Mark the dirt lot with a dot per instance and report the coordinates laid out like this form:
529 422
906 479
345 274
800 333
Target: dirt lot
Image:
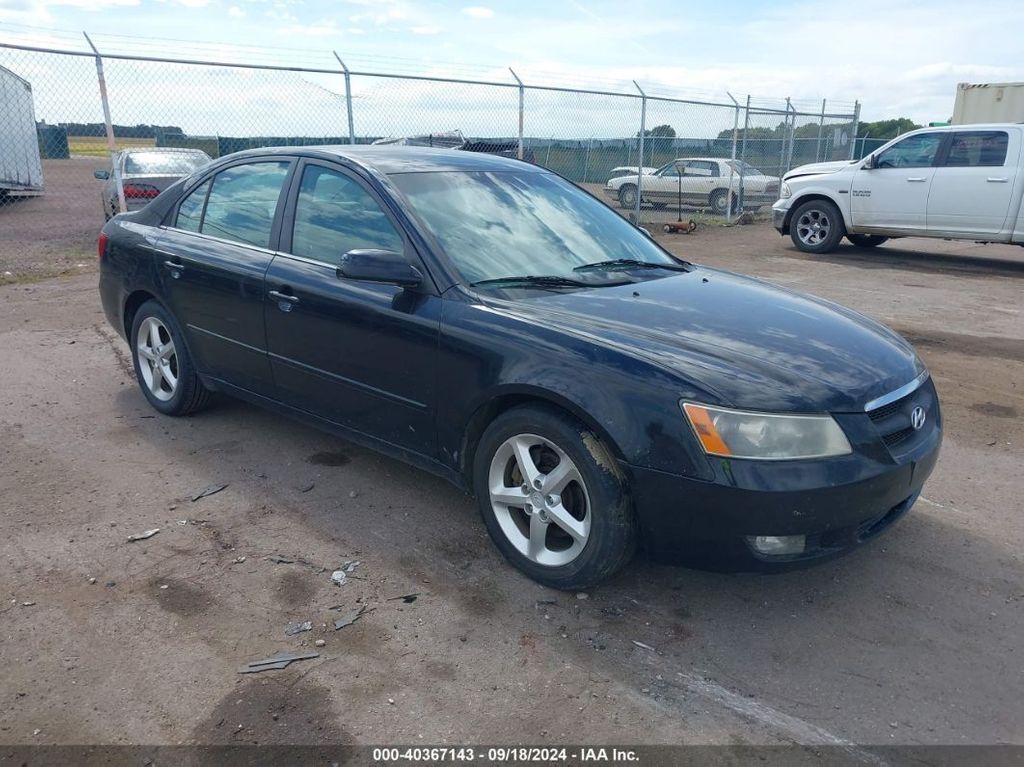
916 639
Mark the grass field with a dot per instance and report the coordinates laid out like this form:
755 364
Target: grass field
96 146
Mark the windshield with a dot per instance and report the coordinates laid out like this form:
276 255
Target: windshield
744 168
515 223
164 163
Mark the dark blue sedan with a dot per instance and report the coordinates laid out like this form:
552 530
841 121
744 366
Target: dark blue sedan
488 321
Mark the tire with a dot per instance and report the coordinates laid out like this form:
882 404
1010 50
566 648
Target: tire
591 498
163 367
816 227
719 201
627 196
866 240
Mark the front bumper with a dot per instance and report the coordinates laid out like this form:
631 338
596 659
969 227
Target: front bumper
838 504
779 211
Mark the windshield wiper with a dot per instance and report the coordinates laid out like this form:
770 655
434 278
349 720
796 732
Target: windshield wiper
629 263
538 280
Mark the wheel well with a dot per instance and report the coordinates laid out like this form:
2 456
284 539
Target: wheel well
808 198
486 413
131 305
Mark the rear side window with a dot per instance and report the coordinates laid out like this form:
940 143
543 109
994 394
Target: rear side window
190 211
335 214
973 149
701 168
242 201
916 151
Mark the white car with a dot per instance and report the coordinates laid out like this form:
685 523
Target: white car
697 181
960 182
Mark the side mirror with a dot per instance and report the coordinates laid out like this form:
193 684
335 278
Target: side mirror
102 175
869 163
374 265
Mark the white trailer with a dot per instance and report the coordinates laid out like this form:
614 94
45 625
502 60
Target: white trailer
988 103
21 171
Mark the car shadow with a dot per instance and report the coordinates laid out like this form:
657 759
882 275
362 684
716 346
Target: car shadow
884 257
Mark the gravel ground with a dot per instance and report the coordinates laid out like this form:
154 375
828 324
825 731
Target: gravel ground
915 639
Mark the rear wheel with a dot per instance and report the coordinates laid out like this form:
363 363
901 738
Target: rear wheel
627 196
816 227
719 202
552 498
866 240
163 366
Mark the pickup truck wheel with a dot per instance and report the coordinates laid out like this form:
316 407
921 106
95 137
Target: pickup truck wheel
552 498
866 240
817 227
627 196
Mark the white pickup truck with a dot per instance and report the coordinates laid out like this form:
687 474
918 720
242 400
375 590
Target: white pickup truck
955 182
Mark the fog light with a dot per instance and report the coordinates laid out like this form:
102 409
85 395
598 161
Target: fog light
778 545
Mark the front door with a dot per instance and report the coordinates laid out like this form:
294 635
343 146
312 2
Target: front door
893 195
974 185
357 353
212 261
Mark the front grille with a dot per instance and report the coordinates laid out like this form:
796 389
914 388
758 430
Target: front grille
892 420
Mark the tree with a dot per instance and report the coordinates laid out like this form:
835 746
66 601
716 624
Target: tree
886 129
659 131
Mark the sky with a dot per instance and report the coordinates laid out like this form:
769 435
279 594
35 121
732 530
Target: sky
897 58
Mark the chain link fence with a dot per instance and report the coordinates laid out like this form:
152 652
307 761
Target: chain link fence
71 122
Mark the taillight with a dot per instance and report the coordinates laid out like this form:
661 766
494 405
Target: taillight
140 191
101 244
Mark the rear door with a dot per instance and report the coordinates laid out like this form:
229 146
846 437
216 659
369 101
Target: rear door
213 259
358 353
893 195
975 183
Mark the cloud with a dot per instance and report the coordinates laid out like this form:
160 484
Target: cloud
425 29
478 12
235 12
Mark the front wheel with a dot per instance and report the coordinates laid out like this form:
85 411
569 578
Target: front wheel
553 499
163 366
817 227
627 196
866 240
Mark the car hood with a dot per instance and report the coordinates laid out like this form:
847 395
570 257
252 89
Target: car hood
816 168
747 343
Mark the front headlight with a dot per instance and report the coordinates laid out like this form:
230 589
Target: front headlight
765 436
784 191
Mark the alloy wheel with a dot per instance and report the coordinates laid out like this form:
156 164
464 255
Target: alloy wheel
158 359
539 499
813 227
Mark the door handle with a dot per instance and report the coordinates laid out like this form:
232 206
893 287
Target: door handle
917 179
176 268
286 297
997 180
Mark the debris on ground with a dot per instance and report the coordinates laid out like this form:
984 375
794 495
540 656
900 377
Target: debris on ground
28 604
547 602
583 595
307 488
92 580
406 598
238 560
644 646
320 642
350 617
277 559
206 491
349 566
279 660
339 577
298 628
143 536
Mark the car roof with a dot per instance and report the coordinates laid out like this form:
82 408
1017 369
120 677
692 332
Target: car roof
389 159
162 150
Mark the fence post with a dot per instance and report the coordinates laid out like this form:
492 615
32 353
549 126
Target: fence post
743 150
348 99
792 136
856 127
821 128
732 165
640 167
521 94
111 144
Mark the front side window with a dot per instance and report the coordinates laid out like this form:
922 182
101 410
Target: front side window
496 224
916 151
972 149
335 214
242 202
671 170
190 211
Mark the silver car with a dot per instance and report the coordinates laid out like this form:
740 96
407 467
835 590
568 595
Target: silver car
145 173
